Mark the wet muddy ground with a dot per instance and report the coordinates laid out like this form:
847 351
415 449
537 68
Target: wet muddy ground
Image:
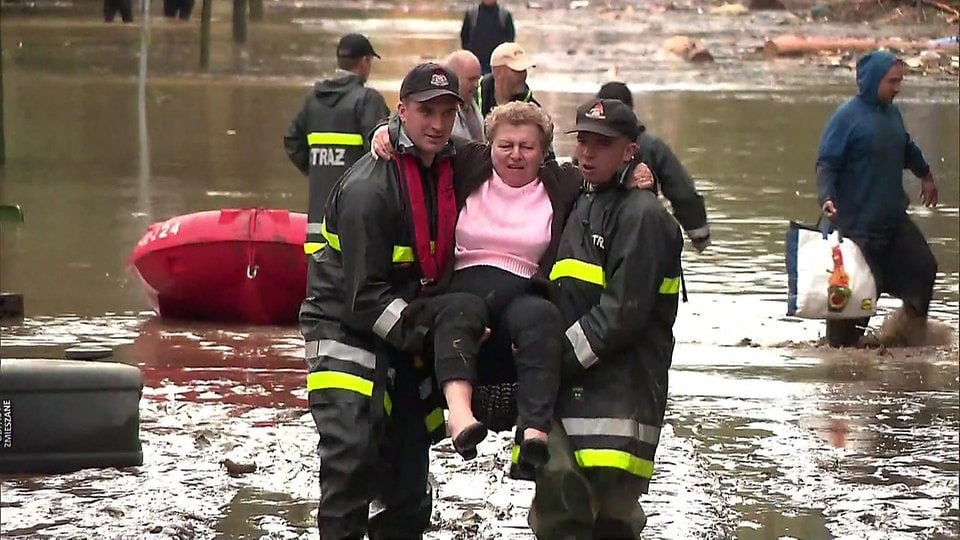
768 434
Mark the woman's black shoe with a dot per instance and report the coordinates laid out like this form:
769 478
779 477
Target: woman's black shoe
466 442
534 454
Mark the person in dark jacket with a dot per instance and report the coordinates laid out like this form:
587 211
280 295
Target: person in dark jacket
618 274
671 177
863 152
485 26
112 7
389 229
178 8
508 82
329 133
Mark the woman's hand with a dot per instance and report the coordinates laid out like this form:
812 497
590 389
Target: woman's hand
642 177
381 147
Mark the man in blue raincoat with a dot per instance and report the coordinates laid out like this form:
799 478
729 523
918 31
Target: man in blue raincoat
863 152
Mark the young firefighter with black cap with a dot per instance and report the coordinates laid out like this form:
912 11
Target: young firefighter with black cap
388 227
330 132
618 274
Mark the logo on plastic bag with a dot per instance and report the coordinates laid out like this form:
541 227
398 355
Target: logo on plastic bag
838 286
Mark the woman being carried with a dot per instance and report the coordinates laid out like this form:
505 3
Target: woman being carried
504 237
512 210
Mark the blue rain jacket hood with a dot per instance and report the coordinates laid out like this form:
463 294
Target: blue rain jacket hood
871 69
863 152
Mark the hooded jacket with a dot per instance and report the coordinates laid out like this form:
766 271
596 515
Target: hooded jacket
863 152
328 135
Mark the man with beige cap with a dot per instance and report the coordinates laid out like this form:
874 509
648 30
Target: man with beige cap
508 81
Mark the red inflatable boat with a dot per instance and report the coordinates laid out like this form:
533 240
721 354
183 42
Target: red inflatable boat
232 265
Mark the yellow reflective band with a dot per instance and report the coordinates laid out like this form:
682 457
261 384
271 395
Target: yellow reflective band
615 459
322 380
670 285
515 454
312 247
332 239
434 420
401 254
572 268
333 138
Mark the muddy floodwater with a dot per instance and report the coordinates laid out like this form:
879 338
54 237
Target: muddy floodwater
768 435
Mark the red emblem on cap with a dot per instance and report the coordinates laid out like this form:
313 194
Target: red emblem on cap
596 112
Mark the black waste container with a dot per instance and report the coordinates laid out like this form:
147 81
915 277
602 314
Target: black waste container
64 415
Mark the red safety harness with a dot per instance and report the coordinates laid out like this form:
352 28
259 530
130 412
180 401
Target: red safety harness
431 260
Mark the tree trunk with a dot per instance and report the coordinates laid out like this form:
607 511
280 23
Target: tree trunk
239 21
792 45
205 13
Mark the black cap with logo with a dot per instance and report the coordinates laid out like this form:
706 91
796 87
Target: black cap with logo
428 81
355 46
607 117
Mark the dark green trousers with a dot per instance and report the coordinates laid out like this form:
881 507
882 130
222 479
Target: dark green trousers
571 503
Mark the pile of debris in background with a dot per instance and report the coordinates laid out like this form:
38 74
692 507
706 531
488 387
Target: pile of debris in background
821 32
921 56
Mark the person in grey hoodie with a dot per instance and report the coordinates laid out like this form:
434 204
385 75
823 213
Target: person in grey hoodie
330 132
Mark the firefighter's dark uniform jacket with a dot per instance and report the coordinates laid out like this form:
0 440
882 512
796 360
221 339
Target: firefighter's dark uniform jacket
677 185
618 273
328 135
487 96
376 409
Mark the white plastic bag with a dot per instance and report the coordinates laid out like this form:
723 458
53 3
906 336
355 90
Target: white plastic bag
810 264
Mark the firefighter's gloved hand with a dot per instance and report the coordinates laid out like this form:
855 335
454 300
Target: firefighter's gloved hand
417 320
570 366
700 244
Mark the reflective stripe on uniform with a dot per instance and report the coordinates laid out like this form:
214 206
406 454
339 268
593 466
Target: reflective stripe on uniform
340 351
315 228
389 317
581 347
401 254
614 459
434 420
330 137
337 380
572 268
312 247
670 285
515 454
616 427
321 380
332 238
